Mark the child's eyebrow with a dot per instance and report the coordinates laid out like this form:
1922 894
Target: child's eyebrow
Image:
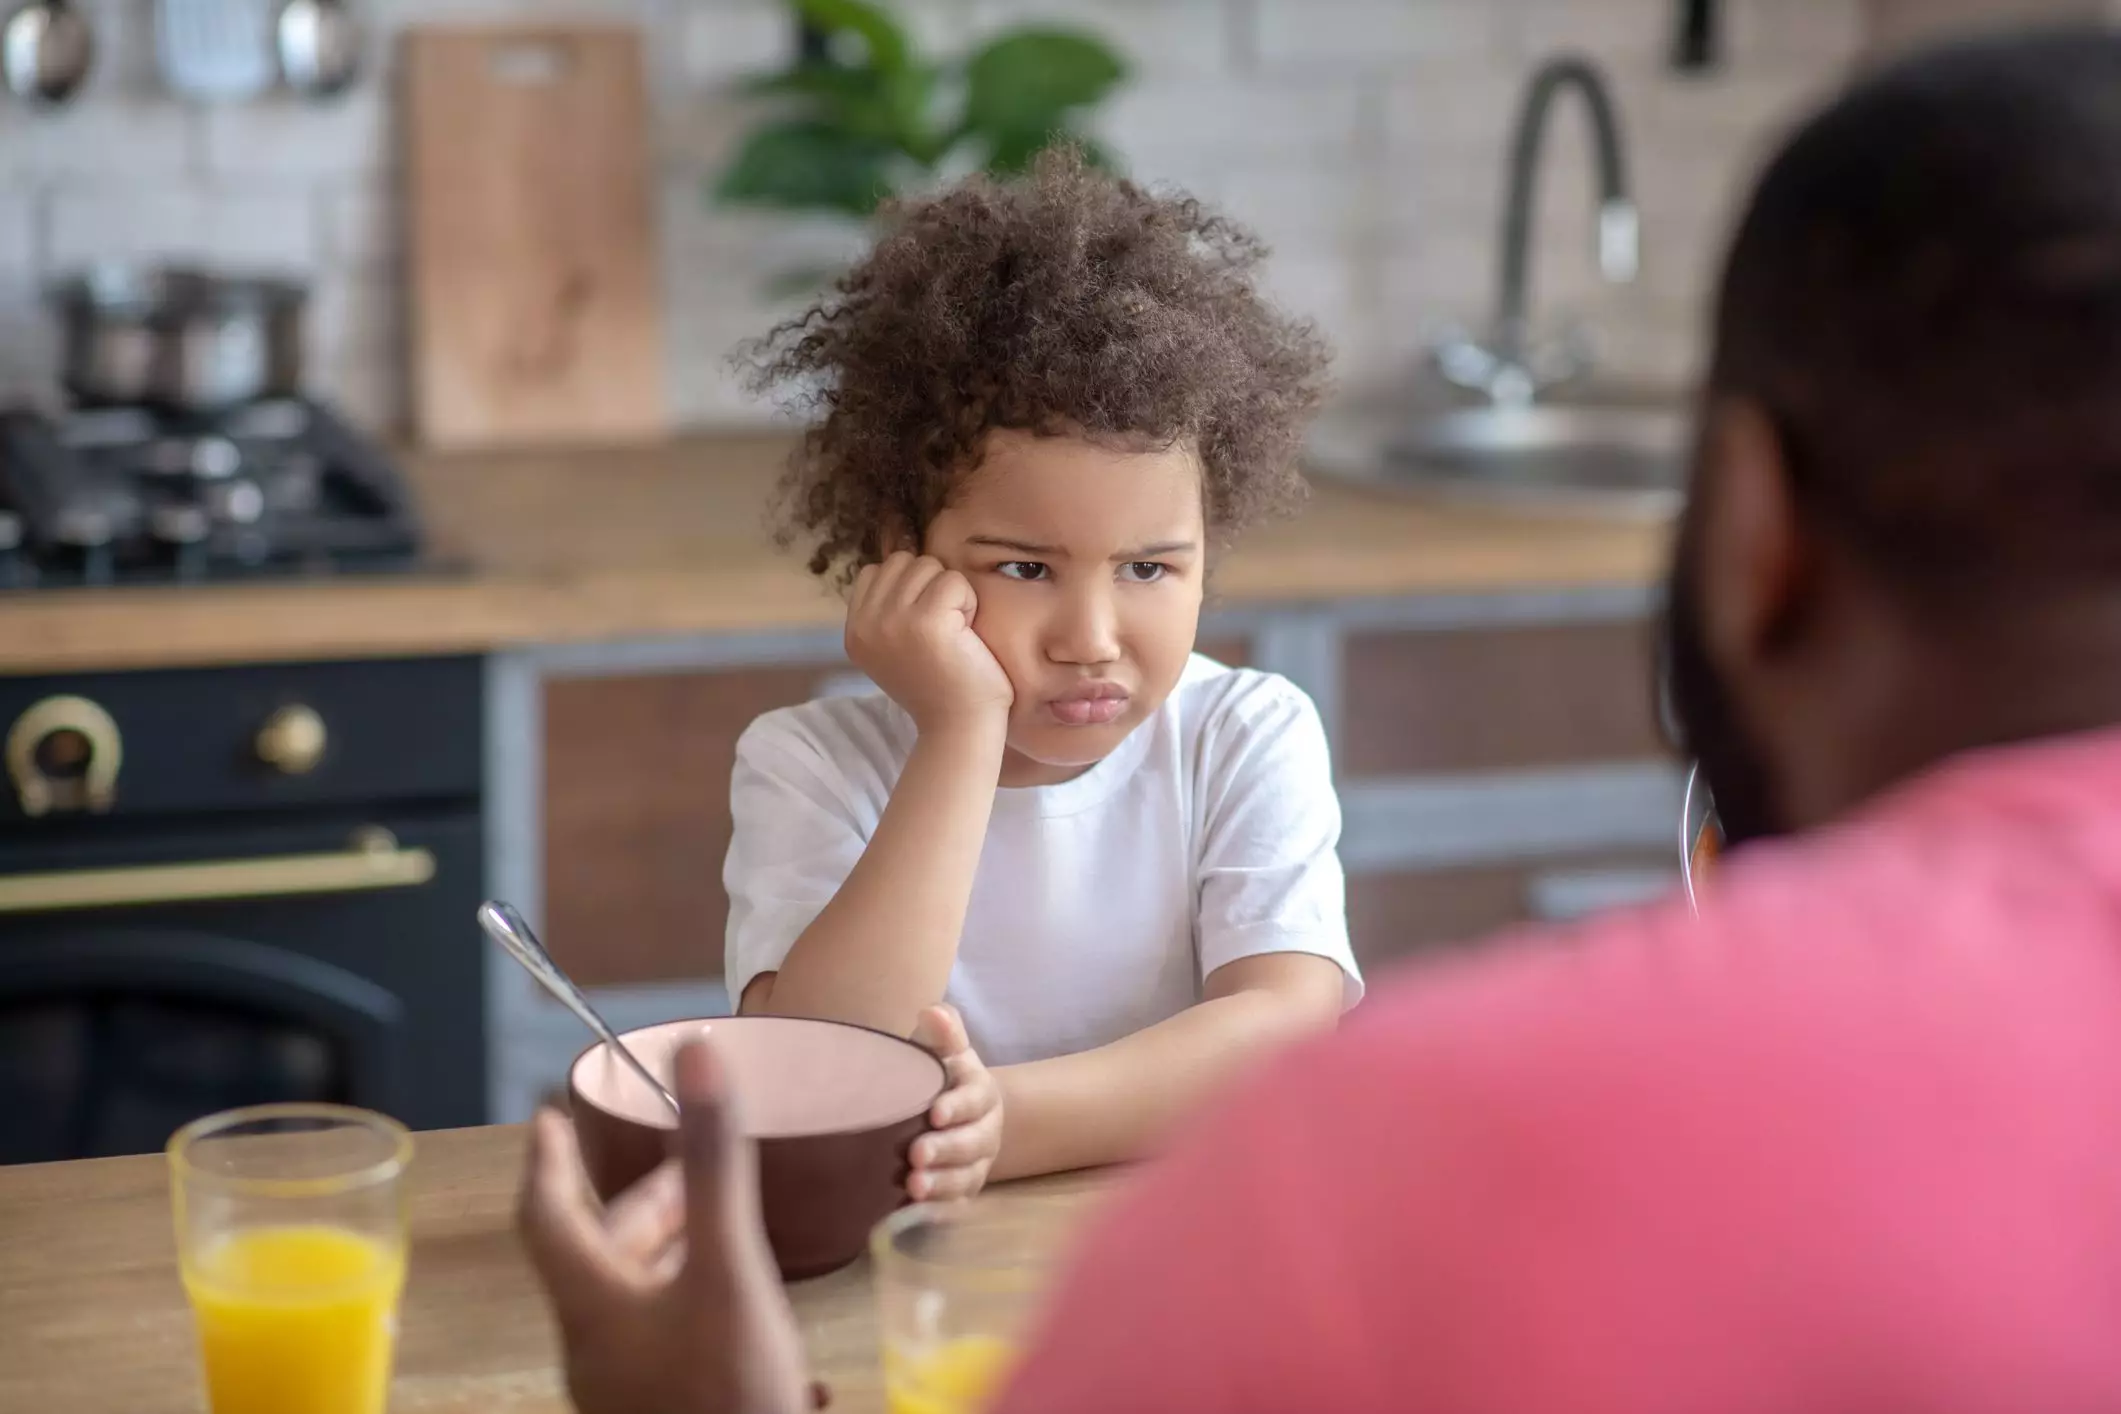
1156 551
1021 547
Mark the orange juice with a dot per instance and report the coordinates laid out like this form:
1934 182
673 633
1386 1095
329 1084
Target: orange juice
958 1377
296 1320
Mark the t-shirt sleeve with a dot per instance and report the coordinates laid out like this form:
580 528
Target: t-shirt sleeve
794 839
1270 877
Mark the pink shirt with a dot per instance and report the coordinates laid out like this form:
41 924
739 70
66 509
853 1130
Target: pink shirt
1849 1144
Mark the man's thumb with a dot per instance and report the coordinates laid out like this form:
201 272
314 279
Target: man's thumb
720 1182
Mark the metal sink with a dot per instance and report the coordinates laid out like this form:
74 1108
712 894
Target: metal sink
1603 458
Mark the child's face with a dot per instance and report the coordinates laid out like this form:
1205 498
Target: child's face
1088 564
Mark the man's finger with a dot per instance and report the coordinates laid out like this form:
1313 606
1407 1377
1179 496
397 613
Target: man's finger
558 1218
722 1226
645 1219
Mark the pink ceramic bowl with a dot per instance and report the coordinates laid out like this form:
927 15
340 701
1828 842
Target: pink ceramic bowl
833 1108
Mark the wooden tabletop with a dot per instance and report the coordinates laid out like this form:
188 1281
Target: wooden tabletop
575 546
93 1320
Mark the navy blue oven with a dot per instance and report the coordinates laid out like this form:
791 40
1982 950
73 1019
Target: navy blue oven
222 887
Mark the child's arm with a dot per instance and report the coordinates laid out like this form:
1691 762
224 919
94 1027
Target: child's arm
882 949
1272 938
1116 1102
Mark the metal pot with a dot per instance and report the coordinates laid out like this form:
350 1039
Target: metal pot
178 339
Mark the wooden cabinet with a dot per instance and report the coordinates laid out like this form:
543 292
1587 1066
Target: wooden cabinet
1393 917
1496 699
637 816
1530 705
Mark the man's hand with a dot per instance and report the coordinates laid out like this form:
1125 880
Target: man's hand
909 627
952 1160
668 1301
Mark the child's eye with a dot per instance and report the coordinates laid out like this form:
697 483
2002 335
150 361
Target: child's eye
1027 570
1144 572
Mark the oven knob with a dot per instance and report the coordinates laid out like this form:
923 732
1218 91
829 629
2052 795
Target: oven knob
63 754
292 740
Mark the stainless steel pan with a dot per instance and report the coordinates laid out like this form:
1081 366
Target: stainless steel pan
177 338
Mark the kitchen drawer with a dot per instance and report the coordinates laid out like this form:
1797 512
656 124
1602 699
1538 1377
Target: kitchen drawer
637 816
1399 915
272 737
1496 699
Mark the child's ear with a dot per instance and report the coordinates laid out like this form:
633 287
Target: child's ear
893 536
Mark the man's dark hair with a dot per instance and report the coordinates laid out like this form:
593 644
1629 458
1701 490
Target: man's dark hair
1065 302
1925 293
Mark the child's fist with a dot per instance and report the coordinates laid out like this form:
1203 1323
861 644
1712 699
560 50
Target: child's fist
951 1161
909 627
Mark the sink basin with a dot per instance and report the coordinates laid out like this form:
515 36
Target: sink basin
1604 458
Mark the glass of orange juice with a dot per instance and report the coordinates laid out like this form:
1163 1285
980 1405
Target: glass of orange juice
291 1239
956 1287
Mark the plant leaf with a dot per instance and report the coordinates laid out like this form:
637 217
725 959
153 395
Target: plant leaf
889 49
806 164
861 102
1028 80
1009 154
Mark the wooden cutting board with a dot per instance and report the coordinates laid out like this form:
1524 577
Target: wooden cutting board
534 284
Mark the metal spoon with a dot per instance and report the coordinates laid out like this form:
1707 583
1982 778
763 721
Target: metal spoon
46 50
320 46
506 926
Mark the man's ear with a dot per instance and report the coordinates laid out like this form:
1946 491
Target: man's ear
1752 564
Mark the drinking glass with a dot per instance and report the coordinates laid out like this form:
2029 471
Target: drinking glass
292 1242
1700 835
956 1288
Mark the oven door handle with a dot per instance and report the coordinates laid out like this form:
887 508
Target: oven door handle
373 859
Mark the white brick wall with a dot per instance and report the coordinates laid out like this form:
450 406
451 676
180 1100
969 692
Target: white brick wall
1364 138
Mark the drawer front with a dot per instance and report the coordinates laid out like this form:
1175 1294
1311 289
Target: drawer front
637 816
260 737
1497 699
1396 916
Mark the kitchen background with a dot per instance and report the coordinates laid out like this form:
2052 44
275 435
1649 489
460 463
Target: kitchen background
521 672
1364 138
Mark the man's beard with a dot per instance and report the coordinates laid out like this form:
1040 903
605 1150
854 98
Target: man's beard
1709 728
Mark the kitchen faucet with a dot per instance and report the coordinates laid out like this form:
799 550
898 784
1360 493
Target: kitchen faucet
1509 368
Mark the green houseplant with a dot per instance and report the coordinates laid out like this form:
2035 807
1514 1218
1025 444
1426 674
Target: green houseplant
860 117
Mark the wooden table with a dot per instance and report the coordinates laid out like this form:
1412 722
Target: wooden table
93 1321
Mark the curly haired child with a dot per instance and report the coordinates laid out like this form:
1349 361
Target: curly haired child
1040 408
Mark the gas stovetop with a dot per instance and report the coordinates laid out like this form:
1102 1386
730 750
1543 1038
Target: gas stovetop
132 496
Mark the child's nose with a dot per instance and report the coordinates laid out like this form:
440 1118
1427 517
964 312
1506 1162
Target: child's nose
1086 630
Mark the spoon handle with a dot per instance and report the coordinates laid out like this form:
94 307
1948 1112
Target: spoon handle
506 926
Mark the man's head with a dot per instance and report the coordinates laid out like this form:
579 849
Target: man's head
1904 533
1068 389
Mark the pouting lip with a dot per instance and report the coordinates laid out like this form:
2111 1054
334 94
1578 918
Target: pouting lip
1091 692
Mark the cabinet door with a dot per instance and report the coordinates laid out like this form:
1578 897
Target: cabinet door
1392 917
1497 699
637 816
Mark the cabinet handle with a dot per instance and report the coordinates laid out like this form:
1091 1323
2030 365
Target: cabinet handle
372 860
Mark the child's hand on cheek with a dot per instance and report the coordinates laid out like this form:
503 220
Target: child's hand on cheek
909 627
951 1161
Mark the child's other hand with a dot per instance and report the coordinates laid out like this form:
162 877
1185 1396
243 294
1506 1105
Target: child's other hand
909 627
951 1161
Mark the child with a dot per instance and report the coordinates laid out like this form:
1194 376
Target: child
1043 405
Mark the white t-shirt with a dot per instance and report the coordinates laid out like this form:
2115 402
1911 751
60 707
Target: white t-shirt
1101 904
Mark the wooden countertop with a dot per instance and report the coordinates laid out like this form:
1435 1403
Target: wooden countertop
575 546
93 1320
